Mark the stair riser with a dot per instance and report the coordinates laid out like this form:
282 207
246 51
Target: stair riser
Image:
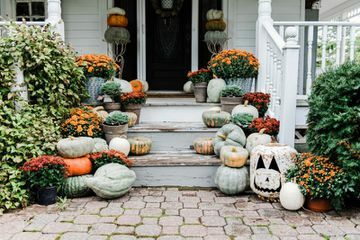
172 113
172 141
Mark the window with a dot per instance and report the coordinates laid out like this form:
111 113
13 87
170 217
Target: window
30 10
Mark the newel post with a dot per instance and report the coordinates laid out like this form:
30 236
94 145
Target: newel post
54 17
264 15
289 87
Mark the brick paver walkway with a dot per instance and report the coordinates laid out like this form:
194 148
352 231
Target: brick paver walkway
172 214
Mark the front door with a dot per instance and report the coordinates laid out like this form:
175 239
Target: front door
168 46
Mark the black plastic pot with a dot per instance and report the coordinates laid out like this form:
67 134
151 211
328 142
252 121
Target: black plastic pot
46 196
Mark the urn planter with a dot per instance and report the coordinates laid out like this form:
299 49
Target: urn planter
244 83
112 106
46 196
228 103
200 90
115 131
93 86
135 108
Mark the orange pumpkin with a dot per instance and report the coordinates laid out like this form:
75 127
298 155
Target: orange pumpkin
78 166
117 21
136 85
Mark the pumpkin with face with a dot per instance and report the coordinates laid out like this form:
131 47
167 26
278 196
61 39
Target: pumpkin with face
268 165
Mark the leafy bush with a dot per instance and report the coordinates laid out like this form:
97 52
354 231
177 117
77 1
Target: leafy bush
117 118
232 91
110 156
334 120
113 89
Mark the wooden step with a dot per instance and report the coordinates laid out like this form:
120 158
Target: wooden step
171 136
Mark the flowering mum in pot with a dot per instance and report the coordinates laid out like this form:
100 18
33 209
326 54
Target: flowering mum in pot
271 125
320 181
109 156
133 102
259 100
200 80
45 174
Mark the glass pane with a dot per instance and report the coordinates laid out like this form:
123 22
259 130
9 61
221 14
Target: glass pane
38 19
38 8
20 19
22 9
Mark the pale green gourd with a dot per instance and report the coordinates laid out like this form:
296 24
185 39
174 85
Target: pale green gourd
75 187
256 139
111 181
245 109
229 135
75 147
125 85
214 89
188 87
100 145
232 181
216 119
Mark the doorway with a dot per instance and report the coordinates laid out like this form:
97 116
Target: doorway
168 47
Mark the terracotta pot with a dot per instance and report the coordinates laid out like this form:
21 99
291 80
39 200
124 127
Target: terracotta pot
135 108
112 106
115 131
200 92
318 205
228 103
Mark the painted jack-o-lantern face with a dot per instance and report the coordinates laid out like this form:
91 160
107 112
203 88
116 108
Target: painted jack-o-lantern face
268 165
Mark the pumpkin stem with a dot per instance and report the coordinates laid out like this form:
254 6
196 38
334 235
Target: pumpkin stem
233 149
262 130
246 103
222 136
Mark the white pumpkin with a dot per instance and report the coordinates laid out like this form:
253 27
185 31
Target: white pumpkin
120 144
214 89
291 198
246 109
116 11
214 14
256 139
145 86
125 85
188 87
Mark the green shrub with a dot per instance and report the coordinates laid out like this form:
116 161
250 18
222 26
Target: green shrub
334 120
117 118
232 91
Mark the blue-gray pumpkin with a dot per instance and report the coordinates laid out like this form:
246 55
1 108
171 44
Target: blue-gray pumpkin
75 187
229 135
214 89
232 181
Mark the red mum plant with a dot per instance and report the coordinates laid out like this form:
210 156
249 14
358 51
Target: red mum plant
271 125
45 171
200 76
109 156
133 98
259 100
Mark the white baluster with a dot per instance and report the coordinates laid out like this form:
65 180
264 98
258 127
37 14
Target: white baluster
274 92
338 45
343 45
310 58
278 87
323 47
352 43
282 31
54 16
268 50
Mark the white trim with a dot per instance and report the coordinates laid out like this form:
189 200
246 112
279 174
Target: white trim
195 35
225 9
141 39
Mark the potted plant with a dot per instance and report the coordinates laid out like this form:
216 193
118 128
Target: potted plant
133 102
109 156
115 125
236 67
230 96
45 174
200 80
322 182
97 69
243 120
259 100
113 90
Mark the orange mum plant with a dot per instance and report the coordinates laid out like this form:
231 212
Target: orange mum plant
133 98
231 64
97 65
82 122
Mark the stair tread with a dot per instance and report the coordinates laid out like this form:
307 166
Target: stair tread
156 101
185 158
171 127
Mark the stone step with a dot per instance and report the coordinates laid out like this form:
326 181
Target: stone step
171 136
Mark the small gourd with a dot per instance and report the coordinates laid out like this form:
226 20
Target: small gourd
214 14
229 135
256 139
232 181
120 144
74 147
215 25
78 166
100 111
245 109
137 85
215 119
291 198
145 85
111 181
75 187
214 88
117 21
188 87
132 118
232 156
116 11
204 146
140 145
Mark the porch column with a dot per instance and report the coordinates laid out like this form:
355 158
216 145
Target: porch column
264 15
54 17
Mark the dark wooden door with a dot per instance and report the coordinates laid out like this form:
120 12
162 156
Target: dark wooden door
168 48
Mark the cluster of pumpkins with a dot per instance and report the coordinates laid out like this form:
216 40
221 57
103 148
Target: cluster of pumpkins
268 160
214 88
215 26
117 22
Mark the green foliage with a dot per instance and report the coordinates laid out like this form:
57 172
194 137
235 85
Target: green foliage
13 193
334 121
113 89
50 176
242 119
117 118
232 91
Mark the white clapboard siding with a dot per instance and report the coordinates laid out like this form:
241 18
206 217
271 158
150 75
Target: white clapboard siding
242 16
85 24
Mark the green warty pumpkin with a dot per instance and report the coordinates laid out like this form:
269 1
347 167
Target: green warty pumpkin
229 135
75 187
215 119
140 145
